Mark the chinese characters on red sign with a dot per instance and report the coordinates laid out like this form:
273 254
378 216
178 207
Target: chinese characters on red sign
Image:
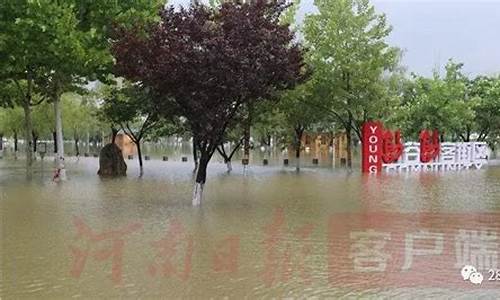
429 145
383 150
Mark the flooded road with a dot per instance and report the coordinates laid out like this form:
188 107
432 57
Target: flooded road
271 232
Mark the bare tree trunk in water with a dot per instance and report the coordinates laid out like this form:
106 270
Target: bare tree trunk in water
35 140
139 155
28 128
54 137
227 159
201 177
60 140
87 144
268 146
333 149
195 156
77 148
299 130
349 146
15 144
246 137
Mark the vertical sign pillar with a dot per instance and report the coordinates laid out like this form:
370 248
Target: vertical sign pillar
372 147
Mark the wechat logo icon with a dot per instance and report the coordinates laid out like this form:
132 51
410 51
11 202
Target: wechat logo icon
471 274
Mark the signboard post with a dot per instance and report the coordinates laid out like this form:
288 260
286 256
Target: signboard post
372 147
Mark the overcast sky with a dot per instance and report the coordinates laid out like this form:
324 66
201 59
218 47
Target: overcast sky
432 31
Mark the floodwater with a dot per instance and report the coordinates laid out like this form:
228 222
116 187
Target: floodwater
269 232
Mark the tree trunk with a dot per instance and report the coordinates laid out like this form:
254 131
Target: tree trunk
59 139
298 136
35 140
77 148
348 129
87 145
348 133
230 157
139 156
15 143
227 159
332 142
268 150
201 176
195 155
246 137
1 141
27 138
54 137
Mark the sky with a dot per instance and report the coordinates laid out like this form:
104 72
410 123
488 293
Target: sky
432 31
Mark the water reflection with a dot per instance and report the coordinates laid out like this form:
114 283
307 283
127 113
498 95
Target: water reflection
298 246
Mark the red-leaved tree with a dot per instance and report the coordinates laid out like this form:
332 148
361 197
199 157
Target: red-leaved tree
208 62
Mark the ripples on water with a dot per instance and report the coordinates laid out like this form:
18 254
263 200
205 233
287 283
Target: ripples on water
37 220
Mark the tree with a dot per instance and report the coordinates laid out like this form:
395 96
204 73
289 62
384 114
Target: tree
38 38
43 121
49 47
11 124
79 120
300 114
2 127
211 62
92 59
132 108
234 136
437 103
349 55
485 93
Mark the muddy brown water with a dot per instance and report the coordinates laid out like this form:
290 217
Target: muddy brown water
263 233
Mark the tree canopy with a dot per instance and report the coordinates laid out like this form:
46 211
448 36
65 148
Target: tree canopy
212 60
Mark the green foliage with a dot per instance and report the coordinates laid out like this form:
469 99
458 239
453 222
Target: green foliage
299 111
485 92
270 122
11 121
349 56
131 108
289 15
460 108
98 20
39 38
78 116
43 120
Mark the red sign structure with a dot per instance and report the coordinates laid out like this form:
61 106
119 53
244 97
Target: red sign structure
383 146
372 147
429 145
383 150
392 148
